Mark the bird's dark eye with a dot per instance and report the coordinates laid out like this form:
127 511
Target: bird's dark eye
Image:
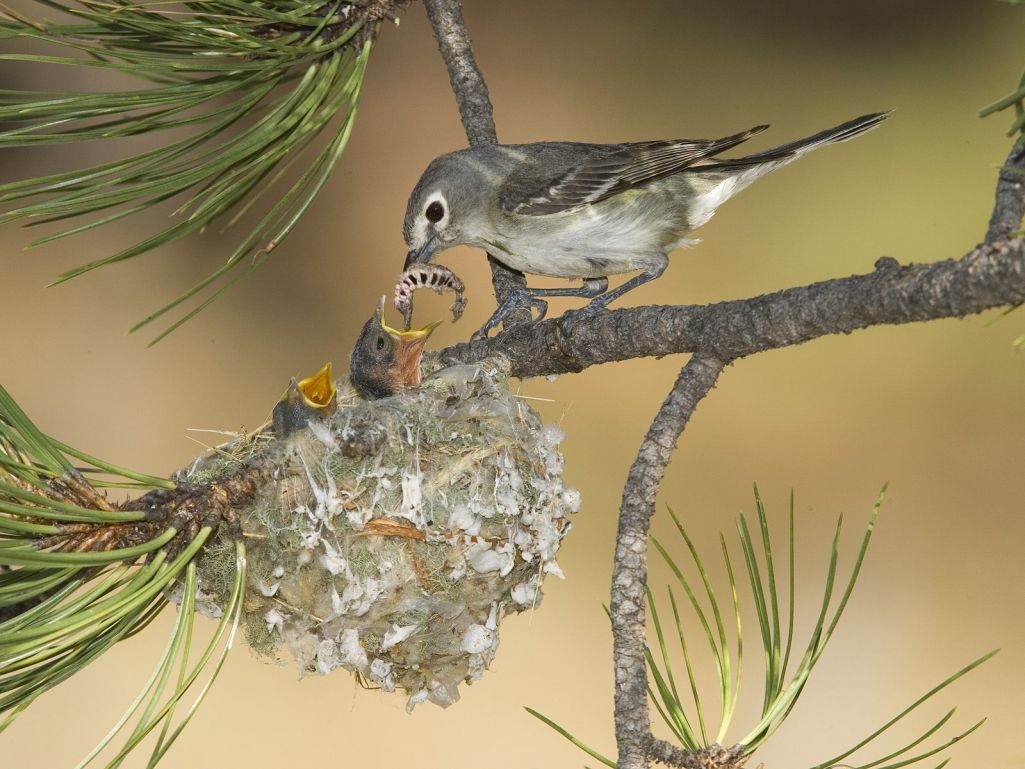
380 343
435 212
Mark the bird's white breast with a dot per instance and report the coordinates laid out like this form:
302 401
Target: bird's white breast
621 235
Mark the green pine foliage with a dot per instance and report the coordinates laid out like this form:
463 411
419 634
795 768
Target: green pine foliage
686 711
62 607
1014 101
250 103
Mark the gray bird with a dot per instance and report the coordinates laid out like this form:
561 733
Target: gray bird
572 210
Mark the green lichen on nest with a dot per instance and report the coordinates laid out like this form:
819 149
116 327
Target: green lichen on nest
396 535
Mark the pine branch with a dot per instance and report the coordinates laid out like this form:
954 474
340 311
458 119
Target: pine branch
474 104
79 574
991 275
630 567
247 88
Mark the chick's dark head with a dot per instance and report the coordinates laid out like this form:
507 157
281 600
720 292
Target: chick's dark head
386 361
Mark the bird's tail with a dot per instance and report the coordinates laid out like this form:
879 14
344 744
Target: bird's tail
783 154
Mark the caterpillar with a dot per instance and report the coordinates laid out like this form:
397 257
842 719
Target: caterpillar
432 276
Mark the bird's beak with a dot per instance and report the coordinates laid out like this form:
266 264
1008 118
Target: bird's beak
318 391
313 397
409 347
420 255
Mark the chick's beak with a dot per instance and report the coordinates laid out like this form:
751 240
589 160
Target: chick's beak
409 349
319 391
313 397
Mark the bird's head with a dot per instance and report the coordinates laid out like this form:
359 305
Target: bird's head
386 361
448 207
313 397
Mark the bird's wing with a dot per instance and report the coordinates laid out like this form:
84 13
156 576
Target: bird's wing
568 176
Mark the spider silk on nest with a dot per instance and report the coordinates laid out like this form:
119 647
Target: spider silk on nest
391 538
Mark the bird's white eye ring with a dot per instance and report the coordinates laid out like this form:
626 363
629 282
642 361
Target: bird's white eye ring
435 212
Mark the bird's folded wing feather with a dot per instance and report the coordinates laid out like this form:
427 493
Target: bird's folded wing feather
563 177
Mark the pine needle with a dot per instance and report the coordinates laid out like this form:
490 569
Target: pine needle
60 610
254 87
779 694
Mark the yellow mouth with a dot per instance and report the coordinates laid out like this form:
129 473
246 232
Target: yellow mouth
409 348
406 337
319 392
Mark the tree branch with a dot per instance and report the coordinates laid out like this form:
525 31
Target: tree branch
1009 206
630 570
991 275
475 110
468 84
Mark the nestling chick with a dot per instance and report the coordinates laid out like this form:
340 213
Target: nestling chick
310 398
386 361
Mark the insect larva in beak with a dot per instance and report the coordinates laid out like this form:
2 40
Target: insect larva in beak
433 276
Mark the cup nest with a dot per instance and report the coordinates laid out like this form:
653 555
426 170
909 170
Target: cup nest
392 538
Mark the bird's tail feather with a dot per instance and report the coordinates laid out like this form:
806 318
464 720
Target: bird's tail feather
787 152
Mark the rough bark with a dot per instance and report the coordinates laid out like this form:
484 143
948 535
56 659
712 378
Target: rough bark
474 104
630 568
991 275
1010 198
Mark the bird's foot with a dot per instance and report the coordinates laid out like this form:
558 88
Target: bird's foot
596 305
601 302
517 299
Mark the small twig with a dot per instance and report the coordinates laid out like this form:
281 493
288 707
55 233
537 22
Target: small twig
72 486
474 103
630 569
468 84
1009 206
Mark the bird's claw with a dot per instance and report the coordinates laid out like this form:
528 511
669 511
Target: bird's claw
596 305
520 298
541 306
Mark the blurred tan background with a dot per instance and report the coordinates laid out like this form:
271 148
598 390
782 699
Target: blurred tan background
936 409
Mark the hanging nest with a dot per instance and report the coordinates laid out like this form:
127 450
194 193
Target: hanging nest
392 538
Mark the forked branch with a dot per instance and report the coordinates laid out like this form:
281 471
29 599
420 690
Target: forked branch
991 275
